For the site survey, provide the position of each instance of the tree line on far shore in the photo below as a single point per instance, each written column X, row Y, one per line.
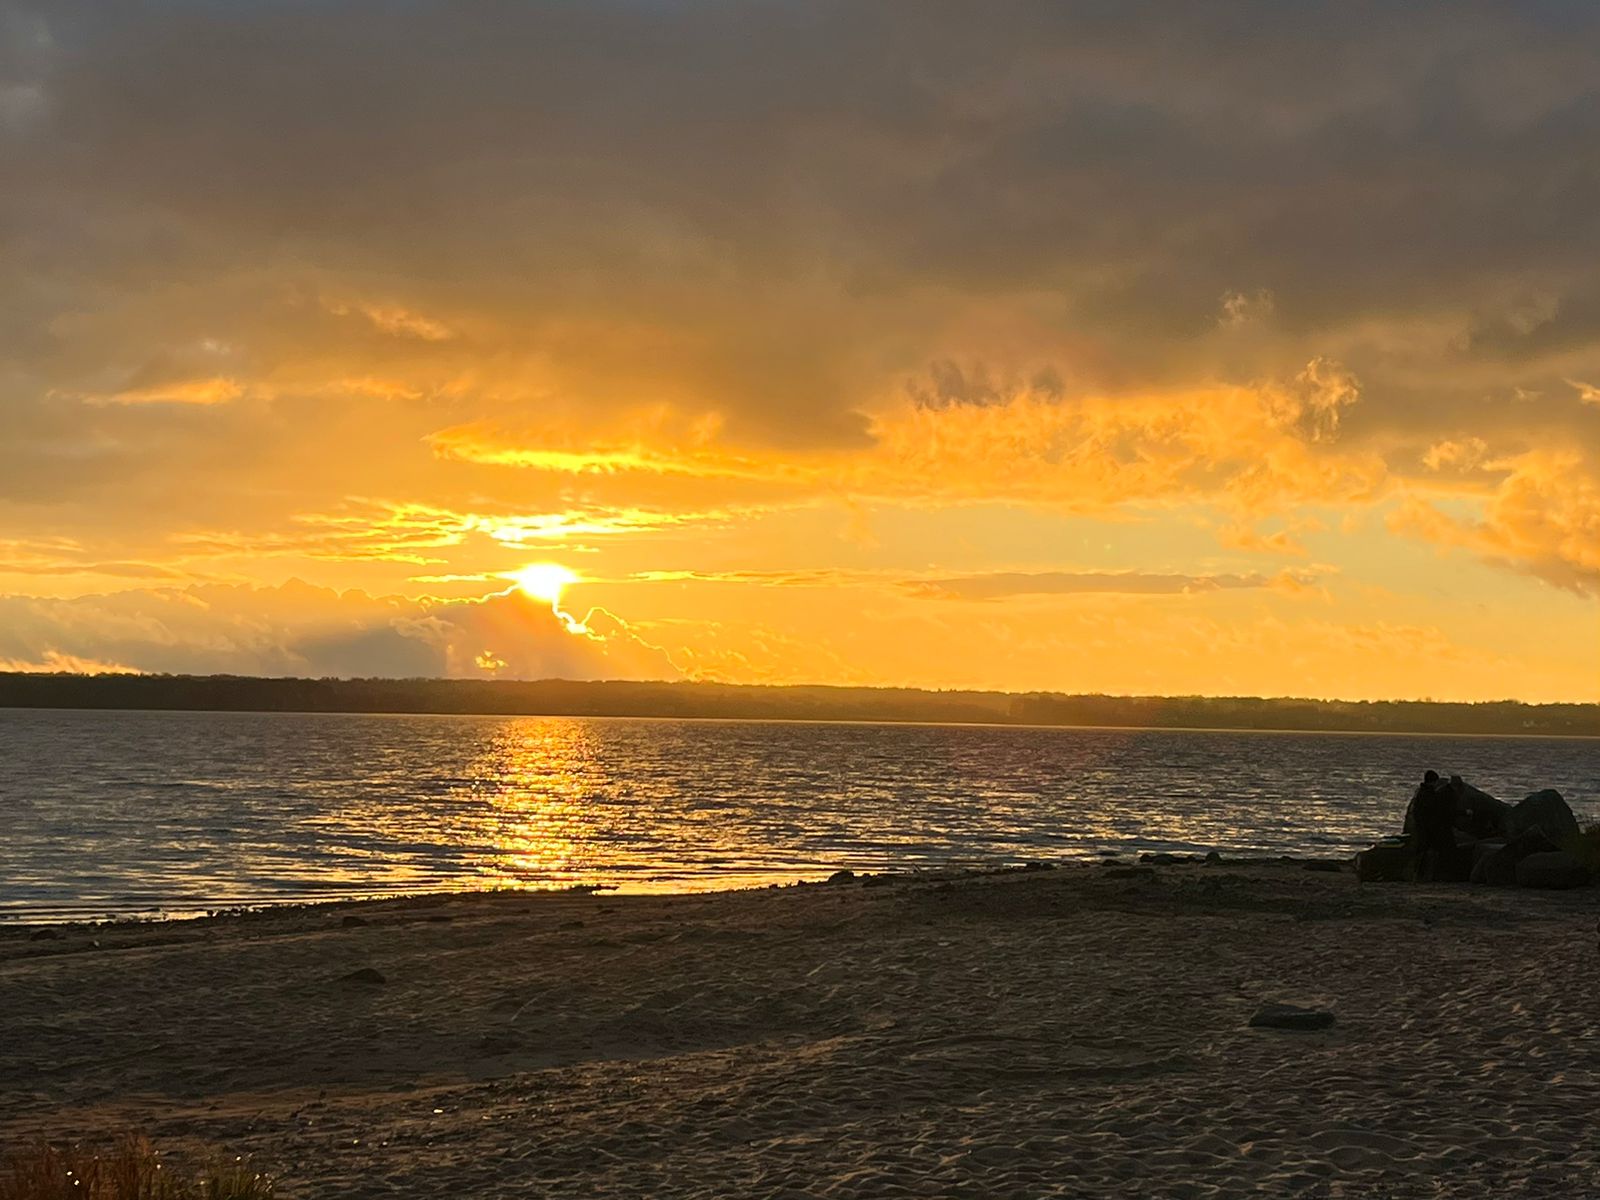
column 560, row 697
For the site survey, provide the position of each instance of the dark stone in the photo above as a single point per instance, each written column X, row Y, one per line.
column 1477, row 812
column 1322, row 864
column 1161, row 859
column 44, row 935
column 1131, row 873
column 1385, row 862
column 1496, row 864
column 353, row 922
column 842, row 877
column 1454, row 865
column 367, row 976
column 1482, row 853
column 1557, row 869
column 570, row 925
column 1545, row 811
column 1289, row 1016
column 1213, row 858
column 500, row 1042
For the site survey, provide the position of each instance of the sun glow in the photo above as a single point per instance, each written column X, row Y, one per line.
column 544, row 581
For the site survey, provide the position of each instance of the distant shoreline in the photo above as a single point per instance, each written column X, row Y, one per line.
column 802, row 703
column 952, row 723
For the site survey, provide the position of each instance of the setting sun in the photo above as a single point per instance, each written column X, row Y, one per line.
column 544, row 581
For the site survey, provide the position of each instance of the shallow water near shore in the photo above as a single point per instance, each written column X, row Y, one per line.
column 161, row 813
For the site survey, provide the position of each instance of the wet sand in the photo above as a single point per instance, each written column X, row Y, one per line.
column 1081, row 1031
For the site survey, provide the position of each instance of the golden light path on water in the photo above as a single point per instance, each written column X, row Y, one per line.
column 540, row 819
column 558, row 819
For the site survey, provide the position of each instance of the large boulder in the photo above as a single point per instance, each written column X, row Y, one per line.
column 1476, row 812
column 1496, row 862
column 1557, row 869
column 1389, row 861
column 1545, row 811
column 1482, row 852
column 1454, row 863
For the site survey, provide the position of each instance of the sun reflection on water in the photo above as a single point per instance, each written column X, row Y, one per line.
column 540, row 781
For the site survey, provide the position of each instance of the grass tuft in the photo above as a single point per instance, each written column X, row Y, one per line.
column 128, row 1170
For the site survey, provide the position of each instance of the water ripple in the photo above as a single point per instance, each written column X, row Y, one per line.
column 124, row 813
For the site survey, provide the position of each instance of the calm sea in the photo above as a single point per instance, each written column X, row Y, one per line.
column 160, row 813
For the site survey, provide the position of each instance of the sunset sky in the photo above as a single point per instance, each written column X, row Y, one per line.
column 1122, row 347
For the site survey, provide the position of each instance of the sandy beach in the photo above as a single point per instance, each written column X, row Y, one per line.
column 1077, row 1031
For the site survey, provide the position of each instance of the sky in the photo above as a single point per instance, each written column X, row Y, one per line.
column 1096, row 347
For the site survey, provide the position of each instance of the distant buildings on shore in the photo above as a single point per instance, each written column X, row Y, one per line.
column 616, row 698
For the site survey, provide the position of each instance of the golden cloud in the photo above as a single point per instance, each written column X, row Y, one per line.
column 213, row 390
column 396, row 320
column 1543, row 518
column 53, row 661
column 415, row 534
column 1249, row 447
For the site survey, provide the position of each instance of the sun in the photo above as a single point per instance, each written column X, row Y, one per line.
column 544, row 581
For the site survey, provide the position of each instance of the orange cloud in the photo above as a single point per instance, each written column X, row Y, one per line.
column 417, row 534
column 1247, row 447
column 1463, row 454
column 213, row 390
column 1239, row 536
column 53, row 661
column 1543, row 518
column 396, row 320
column 486, row 446
column 1000, row 585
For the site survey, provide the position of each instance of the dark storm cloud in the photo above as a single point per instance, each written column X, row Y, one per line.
column 787, row 208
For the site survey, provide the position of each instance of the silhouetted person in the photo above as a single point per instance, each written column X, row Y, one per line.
column 1433, row 832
